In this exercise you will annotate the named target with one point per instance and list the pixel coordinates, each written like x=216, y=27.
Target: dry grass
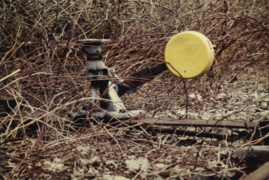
x=40, y=39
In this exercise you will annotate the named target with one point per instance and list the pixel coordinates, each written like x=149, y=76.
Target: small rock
x=265, y=98
x=221, y=96
x=265, y=113
x=206, y=116
x=159, y=166
x=251, y=108
x=109, y=177
x=194, y=116
x=260, y=89
x=199, y=97
x=264, y=105
x=196, y=96
x=192, y=95
x=170, y=115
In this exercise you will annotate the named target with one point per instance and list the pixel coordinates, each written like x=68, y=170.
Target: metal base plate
x=108, y=114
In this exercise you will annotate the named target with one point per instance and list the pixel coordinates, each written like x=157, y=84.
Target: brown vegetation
x=38, y=41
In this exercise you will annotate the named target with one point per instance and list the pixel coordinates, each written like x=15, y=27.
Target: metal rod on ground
x=191, y=133
x=202, y=123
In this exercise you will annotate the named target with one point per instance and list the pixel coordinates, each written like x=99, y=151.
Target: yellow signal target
x=189, y=54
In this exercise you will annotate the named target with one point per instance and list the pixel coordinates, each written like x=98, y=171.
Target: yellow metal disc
x=189, y=54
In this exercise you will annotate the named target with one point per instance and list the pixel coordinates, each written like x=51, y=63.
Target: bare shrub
x=40, y=39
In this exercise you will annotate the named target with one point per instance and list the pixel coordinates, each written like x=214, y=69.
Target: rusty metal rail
x=191, y=133
x=204, y=123
x=156, y=125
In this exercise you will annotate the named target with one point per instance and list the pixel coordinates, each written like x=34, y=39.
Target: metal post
x=99, y=75
x=97, y=71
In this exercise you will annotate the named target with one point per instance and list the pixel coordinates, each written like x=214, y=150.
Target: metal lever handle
x=141, y=77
